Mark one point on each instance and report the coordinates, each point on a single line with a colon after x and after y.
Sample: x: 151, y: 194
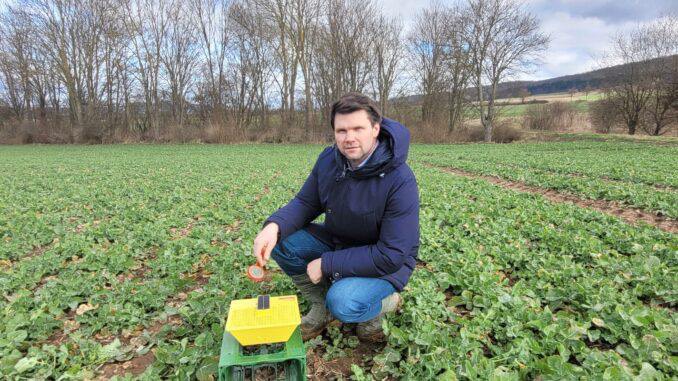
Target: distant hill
x: 593, y: 79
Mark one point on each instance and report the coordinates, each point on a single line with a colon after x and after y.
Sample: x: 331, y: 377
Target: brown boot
x: 318, y: 317
x: 371, y: 330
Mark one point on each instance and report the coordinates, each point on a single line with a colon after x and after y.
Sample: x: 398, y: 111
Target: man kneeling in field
x: 351, y: 267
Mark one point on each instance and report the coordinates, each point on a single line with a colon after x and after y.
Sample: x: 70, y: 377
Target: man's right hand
x: 265, y: 242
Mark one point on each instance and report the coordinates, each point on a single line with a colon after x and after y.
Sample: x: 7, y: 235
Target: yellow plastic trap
x: 264, y: 320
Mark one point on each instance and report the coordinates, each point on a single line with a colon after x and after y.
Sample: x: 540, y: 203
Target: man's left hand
x: 314, y: 271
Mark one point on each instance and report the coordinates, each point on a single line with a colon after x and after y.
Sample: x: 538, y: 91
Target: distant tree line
x: 165, y: 70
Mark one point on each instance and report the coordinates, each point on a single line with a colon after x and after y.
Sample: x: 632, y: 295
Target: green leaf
x: 17, y: 336
x: 641, y: 318
x: 111, y: 350
x: 593, y: 334
x: 208, y: 369
x: 25, y: 364
x: 647, y: 373
x: 448, y: 375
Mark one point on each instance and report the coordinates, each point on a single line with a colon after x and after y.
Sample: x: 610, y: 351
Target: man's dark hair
x: 352, y: 102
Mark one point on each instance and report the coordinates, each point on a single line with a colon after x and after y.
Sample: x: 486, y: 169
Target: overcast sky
x: 580, y: 29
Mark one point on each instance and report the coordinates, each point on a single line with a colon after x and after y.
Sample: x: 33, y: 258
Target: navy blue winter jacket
x: 371, y: 214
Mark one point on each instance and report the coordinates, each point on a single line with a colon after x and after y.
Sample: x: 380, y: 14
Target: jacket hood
x: 399, y: 137
x: 394, y: 145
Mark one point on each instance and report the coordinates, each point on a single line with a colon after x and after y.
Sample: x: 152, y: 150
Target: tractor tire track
x: 630, y: 215
x: 579, y: 175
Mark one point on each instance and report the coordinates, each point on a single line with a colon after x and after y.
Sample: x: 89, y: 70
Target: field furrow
x: 630, y: 215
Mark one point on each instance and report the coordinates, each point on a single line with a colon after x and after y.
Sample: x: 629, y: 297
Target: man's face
x: 355, y: 135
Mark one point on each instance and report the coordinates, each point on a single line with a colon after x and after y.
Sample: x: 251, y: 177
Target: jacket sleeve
x: 398, y: 236
x: 301, y: 210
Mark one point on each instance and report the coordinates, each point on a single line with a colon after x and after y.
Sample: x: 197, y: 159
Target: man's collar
x: 374, y: 148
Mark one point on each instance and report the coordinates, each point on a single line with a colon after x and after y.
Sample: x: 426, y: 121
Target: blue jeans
x: 351, y: 300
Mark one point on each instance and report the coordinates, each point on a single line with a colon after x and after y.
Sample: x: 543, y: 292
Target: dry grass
x: 504, y: 131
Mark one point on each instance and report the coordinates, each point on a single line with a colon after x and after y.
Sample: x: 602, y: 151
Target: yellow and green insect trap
x: 262, y: 338
x: 263, y: 320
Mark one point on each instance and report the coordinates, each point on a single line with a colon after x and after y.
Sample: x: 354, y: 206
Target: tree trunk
x: 308, y: 112
x: 450, y: 108
x: 487, y: 124
x: 632, y: 125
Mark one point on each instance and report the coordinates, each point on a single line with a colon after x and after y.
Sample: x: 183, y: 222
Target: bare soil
x: 185, y: 231
x: 137, y: 364
x: 35, y: 252
x: 134, y: 366
x: 339, y: 368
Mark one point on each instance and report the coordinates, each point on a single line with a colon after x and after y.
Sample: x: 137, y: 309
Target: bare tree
x: 427, y: 45
x: 38, y: 77
x: 458, y: 65
x: 99, y: 67
x: 343, y: 59
x: 133, y: 64
x: 13, y: 91
x: 353, y: 26
x: 116, y: 81
x: 325, y: 84
x: 587, y: 90
x: 304, y: 17
x: 249, y: 65
x: 15, y: 31
x: 148, y: 22
x: 179, y: 55
x: 388, y: 50
x: 603, y: 116
x: 72, y: 40
x: 277, y: 15
x: 662, y: 35
x: 660, y: 111
x: 504, y: 40
x: 523, y: 93
x: 572, y: 92
x: 643, y: 89
x: 212, y: 21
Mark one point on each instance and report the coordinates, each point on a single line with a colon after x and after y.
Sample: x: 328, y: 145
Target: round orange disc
x: 256, y: 273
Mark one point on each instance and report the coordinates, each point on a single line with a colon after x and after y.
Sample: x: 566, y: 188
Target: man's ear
x: 375, y: 130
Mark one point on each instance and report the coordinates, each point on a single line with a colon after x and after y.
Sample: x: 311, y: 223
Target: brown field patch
x: 339, y: 368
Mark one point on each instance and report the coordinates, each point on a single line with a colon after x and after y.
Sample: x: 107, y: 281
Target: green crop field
x: 124, y: 259
x: 519, y: 110
x: 640, y: 175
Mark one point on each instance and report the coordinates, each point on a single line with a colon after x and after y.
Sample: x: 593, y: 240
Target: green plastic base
x: 287, y: 364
